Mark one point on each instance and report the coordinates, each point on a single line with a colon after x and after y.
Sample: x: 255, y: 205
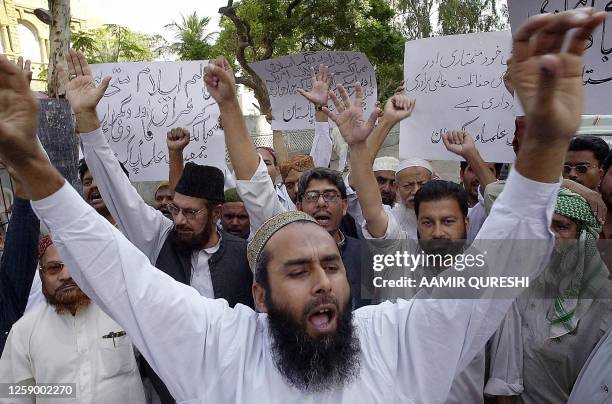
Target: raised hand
x: 547, y: 76
x: 398, y: 108
x: 220, y: 81
x: 349, y: 116
x: 459, y: 142
x: 81, y: 89
x: 25, y: 67
x: 18, y: 115
x: 177, y: 139
x: 321, y: 82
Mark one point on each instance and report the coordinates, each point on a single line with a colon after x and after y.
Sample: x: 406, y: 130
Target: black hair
x: 498, y: 166
x: 607, y: 163
x: 261, y: 271
x: 321, y: 173
x: 83, y: 168
x: 436, y: 190
x: 594, y: 144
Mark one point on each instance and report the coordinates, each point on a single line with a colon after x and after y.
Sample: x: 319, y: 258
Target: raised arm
x: 252, y: 180
x: 516, y: 235
x: 322, y: 143
x: 221, y: 84
x: 143, y: 225
x: 165, y: 319
x: 177, y: 139
x: 462, y: 144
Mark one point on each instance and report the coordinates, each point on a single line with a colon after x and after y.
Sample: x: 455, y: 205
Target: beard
x: 193, y: 241
x: 442, y: 246
x: 314, y: 364
x: 67, y: 301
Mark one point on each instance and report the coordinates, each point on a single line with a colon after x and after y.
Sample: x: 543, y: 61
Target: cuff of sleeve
x: 497, y: 387
x: 93, y: 139
x: 525, y: 196
x: 261, y: 174
x: 391, y: 224
x: 52, y: 209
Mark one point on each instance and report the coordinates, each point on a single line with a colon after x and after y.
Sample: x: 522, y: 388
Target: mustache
x: 327, y: 299
x: 66, y: 283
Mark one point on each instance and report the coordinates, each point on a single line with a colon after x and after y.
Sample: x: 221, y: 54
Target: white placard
x: 597, y: 72
x: 458, y: 85
x: 144, y: 101
x: 285, y: 74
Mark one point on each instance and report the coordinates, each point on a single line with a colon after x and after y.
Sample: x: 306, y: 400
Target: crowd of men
x: 257, y: 286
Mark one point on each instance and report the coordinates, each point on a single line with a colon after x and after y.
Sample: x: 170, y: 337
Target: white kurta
x: 594, y: 384
x: 206, y: 352
x: 46, y: 347
x: 146, y: 227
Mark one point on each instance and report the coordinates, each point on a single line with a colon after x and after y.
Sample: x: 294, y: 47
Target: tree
x: 467, y: 16
x: 415, y: 18
x: 114, y: 43
x: 191, y: 40
x: 255, y: 30
x: 59, y: 39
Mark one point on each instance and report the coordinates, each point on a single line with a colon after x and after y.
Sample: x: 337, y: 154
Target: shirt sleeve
x: 505, y: 351
x: 259, y: 196
x: 394, y: 232
x: 143, y: 225
x: 434, y: 339
x: 15, y: 364
x: 322, y: 145
x: 169, y: 322
x: 354, y: 208
x: 18, y: 265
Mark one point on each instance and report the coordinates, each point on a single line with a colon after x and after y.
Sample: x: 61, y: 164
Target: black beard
x: 314, y: 364
x: 197, y: 241
x: 442, y: 246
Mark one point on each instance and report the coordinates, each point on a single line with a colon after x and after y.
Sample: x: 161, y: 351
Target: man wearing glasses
x: 584, y: 159
x: 70, y: 340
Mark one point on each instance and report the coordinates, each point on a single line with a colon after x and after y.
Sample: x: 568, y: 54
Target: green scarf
x: 584, y: 269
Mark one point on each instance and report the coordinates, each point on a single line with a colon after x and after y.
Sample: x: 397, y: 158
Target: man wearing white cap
x: 384, y: 170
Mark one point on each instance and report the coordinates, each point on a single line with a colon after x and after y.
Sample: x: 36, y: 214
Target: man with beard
x: 566, y: 310
x: 384, y: 170
x: 189, y: 247
x: 584, y: 159
x: 409, y: 351
x: 69, y: 339
x: 163, y: 197
x: 606, y: 193
x: 235, y: 217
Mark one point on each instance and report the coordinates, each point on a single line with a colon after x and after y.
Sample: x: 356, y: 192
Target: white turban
x: 385, y: 164
x: 417, y: 162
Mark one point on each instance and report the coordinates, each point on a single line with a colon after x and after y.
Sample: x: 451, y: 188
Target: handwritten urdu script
x: 144, y: 101
x: 284, y: 75
x: 597, y: 71
x: 458, y: 83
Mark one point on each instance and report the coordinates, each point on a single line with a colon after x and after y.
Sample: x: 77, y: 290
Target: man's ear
x: 467, y: 225
x: 217, y: 212
x: 259, y: 297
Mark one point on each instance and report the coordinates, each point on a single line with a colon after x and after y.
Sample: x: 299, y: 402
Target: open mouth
x: 95, y: 197
x: 323, y: 319
x: 322, y: 218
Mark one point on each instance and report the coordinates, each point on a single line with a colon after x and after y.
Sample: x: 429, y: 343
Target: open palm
x: 546, y: 72
x: 321, y: 82
x: 81, y: 89
x: 349, y: 117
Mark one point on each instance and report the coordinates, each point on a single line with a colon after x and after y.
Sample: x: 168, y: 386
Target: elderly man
x: 566, y: 311
x: 70, y: 340
x: 384, y: 170
x: 384, y: 353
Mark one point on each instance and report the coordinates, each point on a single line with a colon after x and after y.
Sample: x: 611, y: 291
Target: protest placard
x: 458, y: 85
x: 144, y: 101
x: 597, y: 71
x: 284, y: 75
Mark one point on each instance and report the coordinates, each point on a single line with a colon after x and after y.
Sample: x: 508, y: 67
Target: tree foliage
x: 191, y: 42
x: 255, y: 30
x: 113, y: 43
x: 467, y: 16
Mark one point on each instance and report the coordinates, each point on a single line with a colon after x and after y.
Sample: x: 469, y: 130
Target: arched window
x: 30, y: 48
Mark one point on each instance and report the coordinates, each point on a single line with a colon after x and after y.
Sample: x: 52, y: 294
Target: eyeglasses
x: 52, y: 268
x: 313, y: 196
x: 580, y: 168
x: 189, y: 214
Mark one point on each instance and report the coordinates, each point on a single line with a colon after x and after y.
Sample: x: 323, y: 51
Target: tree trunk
x: 59, y: 39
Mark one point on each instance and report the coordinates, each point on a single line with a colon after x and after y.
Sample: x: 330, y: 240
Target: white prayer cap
x: 415, y: 162
x: 385, y: 164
